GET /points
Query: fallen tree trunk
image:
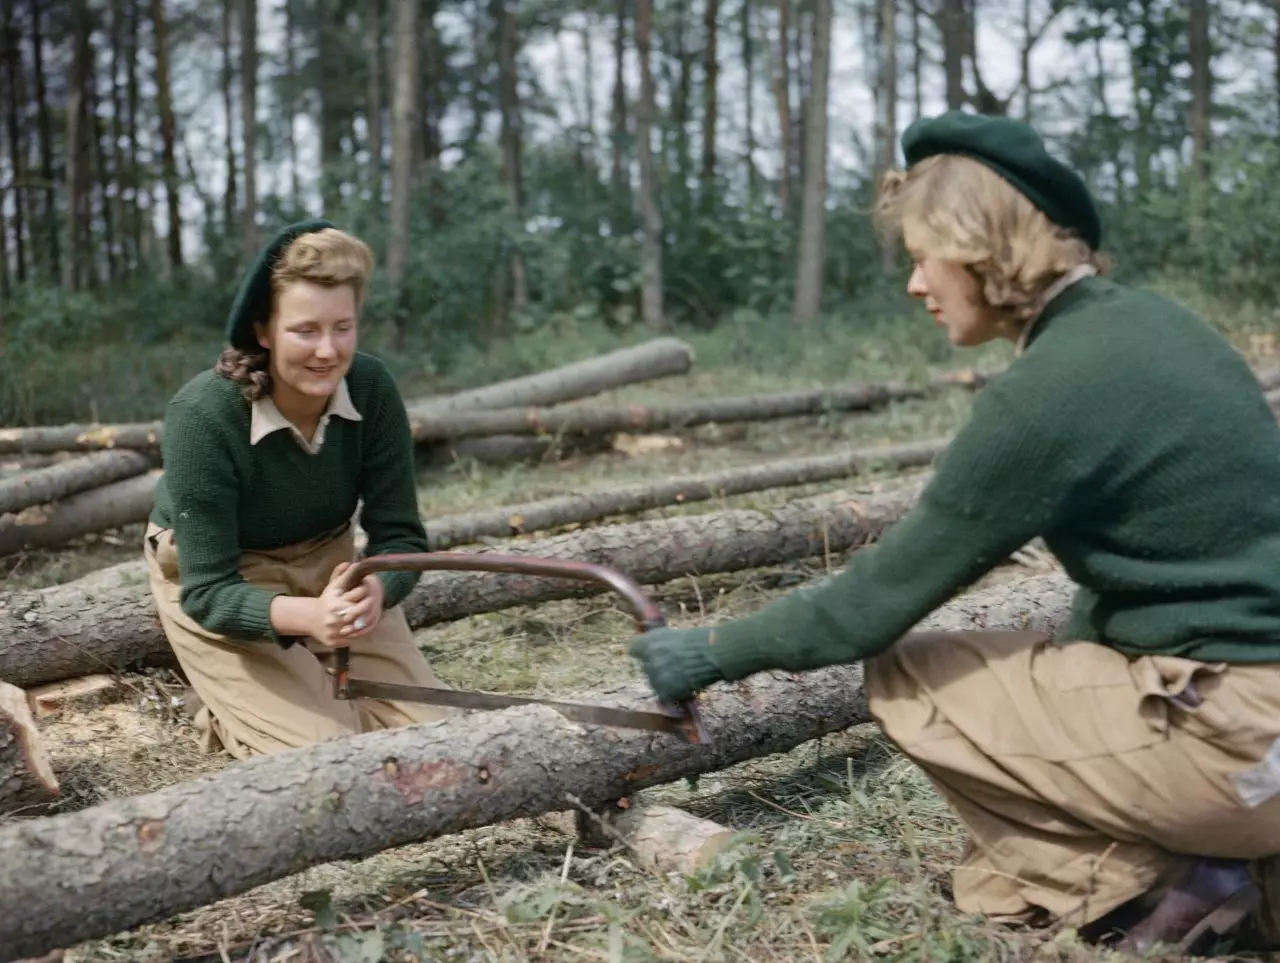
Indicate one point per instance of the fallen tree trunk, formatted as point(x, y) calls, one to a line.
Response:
point(70, 477)
point(110, 506)
point(108, 620)
point(145, 858)
point(143, 436)
point(26, 772)
point(437, 427)
point(656, 358)
point(588, 506)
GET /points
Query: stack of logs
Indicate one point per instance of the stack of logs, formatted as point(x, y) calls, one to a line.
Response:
point(69, 481)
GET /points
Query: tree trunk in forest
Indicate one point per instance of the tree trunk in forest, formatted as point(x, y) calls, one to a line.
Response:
point(44, 131)
point(950, 18)
point(168, 135)
point(249, 126)
point(511, 136)
point(74, 150)
point(26, 772)
point(749, 97)
point(131, 100)
point(109, 506)
point(811, 260)
point(404, 122)
point(230, 204)
point(782, 95)
point(1200, 57)
point(70, 477)
point(619, 178)
point(373, 96)
point(917, 64)
point(145, 858)
point(128, 257)
point(16, 105)
point(709, 112)
point(108, 619)
point(651, 284)
point(887, 101)
point(290, 101)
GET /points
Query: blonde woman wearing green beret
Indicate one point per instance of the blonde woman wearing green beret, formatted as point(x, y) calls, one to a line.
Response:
point(266, 457)
point(1124, 776)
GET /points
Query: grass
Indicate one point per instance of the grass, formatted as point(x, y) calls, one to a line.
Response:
point(844, 849)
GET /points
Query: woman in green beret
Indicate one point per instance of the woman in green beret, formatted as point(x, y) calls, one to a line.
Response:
point(1125, 776)
point(267, 456)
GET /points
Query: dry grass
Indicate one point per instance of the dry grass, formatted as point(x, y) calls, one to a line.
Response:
point(845, 849)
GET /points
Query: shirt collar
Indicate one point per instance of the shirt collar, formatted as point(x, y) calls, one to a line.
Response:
point(1077, 273)
point(265, 418)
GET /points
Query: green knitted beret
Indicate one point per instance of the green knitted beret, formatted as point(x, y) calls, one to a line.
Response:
point(1016, 152)
point(253, 300)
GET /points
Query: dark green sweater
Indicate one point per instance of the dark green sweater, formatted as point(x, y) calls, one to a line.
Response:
point(1136, 441)
point(222, 496)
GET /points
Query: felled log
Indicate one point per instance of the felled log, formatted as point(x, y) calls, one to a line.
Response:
point(108, 619)
point(145, 858)
point(144, 436)
point(584, 420)
point(588, 506)
point(110, 506)
point(70, 477)
point(656, 358)
point(26, 772)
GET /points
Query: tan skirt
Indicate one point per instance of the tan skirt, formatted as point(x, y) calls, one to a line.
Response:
point(1085, 778)
point(261, 698)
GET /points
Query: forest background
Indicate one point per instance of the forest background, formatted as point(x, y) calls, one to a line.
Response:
point(544, 179)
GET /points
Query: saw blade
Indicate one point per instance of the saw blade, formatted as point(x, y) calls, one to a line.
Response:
point(577, 711)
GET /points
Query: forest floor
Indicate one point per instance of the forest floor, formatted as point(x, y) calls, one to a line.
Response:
point(845, 849)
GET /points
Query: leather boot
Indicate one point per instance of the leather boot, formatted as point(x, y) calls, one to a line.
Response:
point(1215, 895)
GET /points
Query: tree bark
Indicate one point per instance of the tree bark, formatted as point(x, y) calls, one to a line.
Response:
point(249, 126)
point(653, 359)
point(145, 858)
point(511, 137)
point(70, 477)
point(619, 177)
point(811, 262)
point(782, 96)
point(17, 164)
point(168, 135)
point(709, 111)
point(110, 506)
point(74, 152)
point(108, 619)
point(44, 129)
point(887, 99)
point(26, 772)
point(53, 438)
point(950, 18)
point(230, 205)
point(1200, 57)
point(651, 284)
point(373, 96)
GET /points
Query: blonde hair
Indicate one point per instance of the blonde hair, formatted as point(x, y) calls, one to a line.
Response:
point(958, 209)
point(330, 257)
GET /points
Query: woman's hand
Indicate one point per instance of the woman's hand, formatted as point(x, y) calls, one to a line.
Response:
point(346, 615)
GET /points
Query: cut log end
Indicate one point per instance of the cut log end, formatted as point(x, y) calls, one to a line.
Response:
point(26, 771)
point(663, 838)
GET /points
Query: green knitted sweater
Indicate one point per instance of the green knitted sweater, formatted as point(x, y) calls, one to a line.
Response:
point(1136, 441)
point(222, 496)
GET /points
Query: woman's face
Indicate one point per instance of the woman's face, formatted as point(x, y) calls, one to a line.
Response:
point(954, 297)
point(312, 340)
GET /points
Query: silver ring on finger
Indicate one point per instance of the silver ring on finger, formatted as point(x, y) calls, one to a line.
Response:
point(359, 623)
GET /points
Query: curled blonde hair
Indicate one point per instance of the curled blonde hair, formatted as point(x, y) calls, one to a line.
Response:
point(957, 209)
point(329, 257)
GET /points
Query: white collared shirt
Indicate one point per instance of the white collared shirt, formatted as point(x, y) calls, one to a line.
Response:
point(1077, 273)
point(266, 418)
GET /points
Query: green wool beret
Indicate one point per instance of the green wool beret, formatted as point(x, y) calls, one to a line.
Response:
point(1016, 152)
point(253, 300)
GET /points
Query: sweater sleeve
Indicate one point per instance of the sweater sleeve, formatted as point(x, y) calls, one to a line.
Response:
point(390, 515)
point(200, 475)
point(1003, 480)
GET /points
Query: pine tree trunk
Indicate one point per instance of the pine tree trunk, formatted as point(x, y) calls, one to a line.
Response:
point(651, 284)
point(887, 99)
point(951, 22)
point(373, 97)
point(108, 506)
point(230, 204)
point(17, 166)
point(44, 126)
point(290, 101)
point(404, 123)
point(749, 98)
point(917, 64)
point(511, 136)
point(69, 477)
point(145, 858)
point(168, 135)
point(77, 175)
point(128, 258)
point(249, 125)
point(782, 96)
point(131, 96)
point(709, 111)
point(1200, 57)
point(619, 179)
point(811, 261)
